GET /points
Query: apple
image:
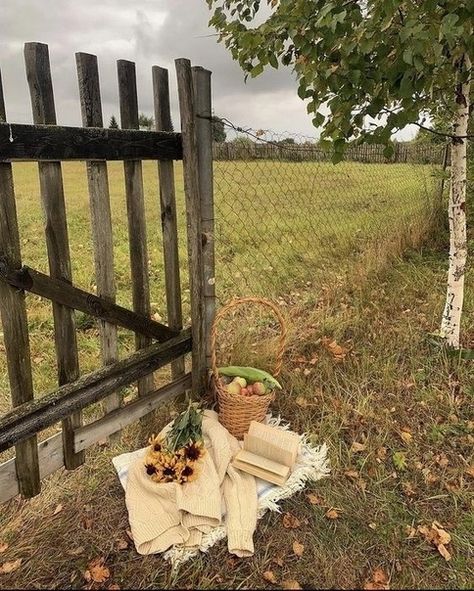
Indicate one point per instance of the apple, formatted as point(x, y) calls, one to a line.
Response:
point(250, 390)
point(244, 392)
point(259, 388)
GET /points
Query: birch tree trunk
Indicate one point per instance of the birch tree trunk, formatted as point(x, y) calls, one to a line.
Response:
point(451, 320)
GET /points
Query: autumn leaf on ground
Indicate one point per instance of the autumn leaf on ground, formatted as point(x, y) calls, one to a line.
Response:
point(406, 436)
point(410, 531)
point(97, 571)
point(357, 447)
point(470, 471)
point(3, 547)
point(290, 521)
point(291, 584)
point(270, 577)
point(121, 544)
point(379, 580)
point(314, 499)
point(437, 536)
point(351, 474)
point(9, 567)
point(333, 513)
point(337, 351)
point(303, 402)
point(113, 587)
point(58, 509)
point(76, 551)
point(298, 548)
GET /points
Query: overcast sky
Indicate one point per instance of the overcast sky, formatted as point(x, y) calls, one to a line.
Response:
point(148, 32)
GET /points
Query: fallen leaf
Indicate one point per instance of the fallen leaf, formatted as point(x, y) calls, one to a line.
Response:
point(97, 572)
point(76, 551)
point(290, 521)
point(408, 489)
point(357, 447)
point(58, 509)
point(379, 580)
point(373, 525)
point(121, 544)
point(337, 351)
point(333, 513)
point(270, 577)
point(410, 532)
point(382, 453)
point(443, 536)
point(9, 567)
point(362, 484)
point(3, 547)
point(314, 499)
point(113, 587)
point(444, 552)
point(278, 561)
point(470, 471)
point(351, 474)
point(442, 460)
point(291, 584)
point(87, 523)
point(298, 548)
point(306, 371)
point(302, 402)
point(406, 436)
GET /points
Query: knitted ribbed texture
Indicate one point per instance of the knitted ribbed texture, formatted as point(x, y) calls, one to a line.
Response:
point(162, 515)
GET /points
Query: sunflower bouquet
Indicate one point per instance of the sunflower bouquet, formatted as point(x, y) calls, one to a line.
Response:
point(175, 457)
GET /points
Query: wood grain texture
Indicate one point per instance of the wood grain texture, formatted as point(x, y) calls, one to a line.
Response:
point(52, 195)
point(169, 224)
point(120, 418)
point(193, 221)
point(135, 210)
point(58, 291)
point(50, 458)
point(54, 142)
point(202, 97)
point(101, 216)
point(36, 415)
point(15, 327)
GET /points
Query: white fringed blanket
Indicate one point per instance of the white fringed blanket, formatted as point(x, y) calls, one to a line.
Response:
point(312, 465)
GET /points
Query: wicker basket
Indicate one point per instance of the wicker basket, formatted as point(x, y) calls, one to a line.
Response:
point(236, 411)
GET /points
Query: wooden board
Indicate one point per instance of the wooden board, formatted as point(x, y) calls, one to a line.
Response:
point(38, 74)
point(15, 325)
point(36, 415)
point(169, 223)
point(47, 142)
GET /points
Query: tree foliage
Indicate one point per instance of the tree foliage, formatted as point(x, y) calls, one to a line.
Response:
point(113, 124)
point(377, 65)
point(145, 122)
point(218, 130)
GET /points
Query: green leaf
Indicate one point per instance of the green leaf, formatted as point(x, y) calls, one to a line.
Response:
point(319, 119)
point(399, 460)
point(388, 151)
point(256, 70)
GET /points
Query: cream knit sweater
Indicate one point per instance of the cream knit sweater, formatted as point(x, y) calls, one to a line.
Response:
point(162, 515)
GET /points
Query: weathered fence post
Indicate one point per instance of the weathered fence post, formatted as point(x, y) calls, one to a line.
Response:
point(15, 325)
point(101, 217)
point(203, 98)
point(135, 210)
point(38, 73)
point(193, 222)
point(169, 223)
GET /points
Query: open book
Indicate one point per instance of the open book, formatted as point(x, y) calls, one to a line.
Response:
point(268, 453)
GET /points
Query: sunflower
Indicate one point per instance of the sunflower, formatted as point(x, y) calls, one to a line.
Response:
point(189, 473)
point(156, 443)
point(193, 451)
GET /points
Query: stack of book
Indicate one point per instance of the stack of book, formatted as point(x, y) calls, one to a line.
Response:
point(268, 452)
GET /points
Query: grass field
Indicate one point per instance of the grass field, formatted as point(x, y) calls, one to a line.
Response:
point(406, 405)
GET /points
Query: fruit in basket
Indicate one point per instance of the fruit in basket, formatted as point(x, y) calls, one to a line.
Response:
point(234, 388)
point(250, 390)
point(245, 392)
point(259, 388)
point(251, 374)
point(241, 381)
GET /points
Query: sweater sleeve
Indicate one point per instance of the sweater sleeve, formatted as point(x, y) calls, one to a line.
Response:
point(240, 495)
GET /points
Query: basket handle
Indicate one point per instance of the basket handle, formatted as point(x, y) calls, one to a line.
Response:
point(249, 300)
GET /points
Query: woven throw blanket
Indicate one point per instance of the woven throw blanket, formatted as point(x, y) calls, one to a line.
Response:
point(311, 465)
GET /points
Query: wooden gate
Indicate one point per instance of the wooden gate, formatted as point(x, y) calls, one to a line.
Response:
point(157, 344)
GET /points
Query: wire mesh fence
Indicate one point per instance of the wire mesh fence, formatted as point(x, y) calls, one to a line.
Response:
point(286, 216)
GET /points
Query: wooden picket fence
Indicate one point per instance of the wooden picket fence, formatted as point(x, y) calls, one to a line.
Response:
point(157, 344)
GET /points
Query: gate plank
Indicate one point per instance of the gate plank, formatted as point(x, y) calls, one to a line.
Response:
point(169, 223)
point(51, 187)
point(135, 210)
point(38, 414)
point(193, 221)
point(55, 142)
point(15, 326)
point(66, 294)
point(101, 216)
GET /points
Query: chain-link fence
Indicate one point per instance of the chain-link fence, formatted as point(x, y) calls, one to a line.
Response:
point(286, 216)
